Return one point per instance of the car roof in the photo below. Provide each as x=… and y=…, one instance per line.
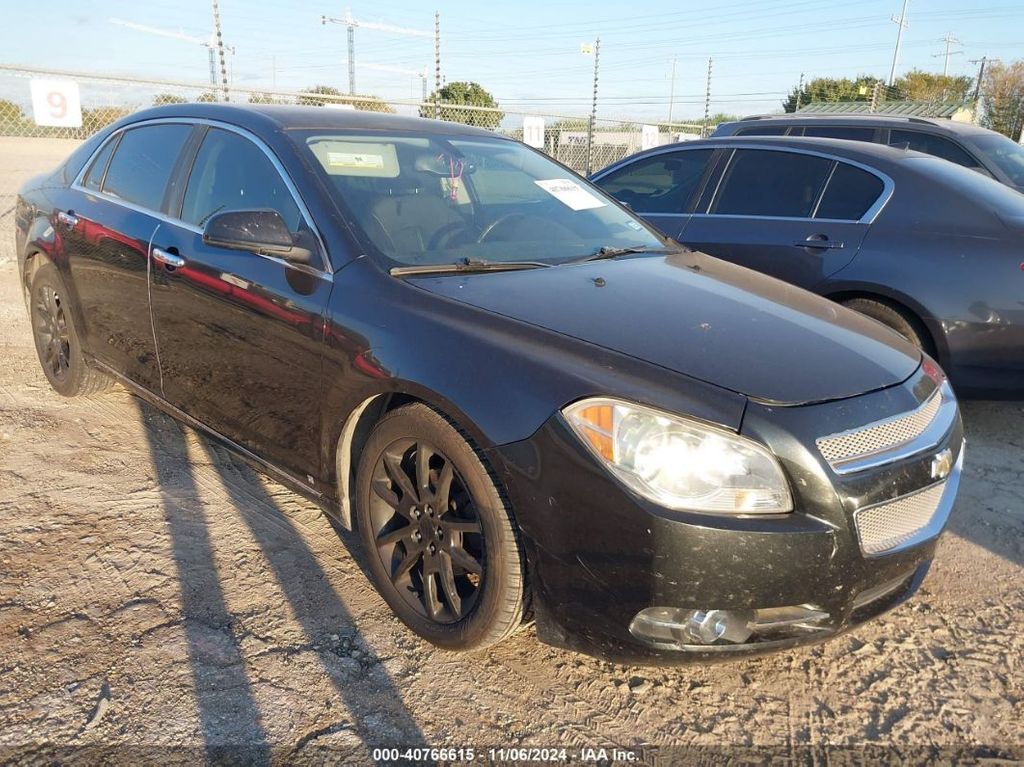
x=877, y=120
x=274, y=117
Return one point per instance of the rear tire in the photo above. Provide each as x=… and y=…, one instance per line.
x=905, y=325
x=440, y=539
x=56, y=338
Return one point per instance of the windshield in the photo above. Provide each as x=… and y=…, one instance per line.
x=431, y=199
x=1007, y=155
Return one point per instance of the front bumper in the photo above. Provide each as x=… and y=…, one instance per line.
x=599, y=555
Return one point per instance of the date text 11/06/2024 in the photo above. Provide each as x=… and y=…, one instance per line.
x=586, y=754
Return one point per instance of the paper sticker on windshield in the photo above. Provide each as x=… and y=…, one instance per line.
x=353, y=160
x=568, y=192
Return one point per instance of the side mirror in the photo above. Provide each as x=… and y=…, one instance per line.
x=256, y=231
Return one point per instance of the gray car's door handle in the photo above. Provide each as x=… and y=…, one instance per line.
x=817, y=241
x=168, y=259
x=68, y=218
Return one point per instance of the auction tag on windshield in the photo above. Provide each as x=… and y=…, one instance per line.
x=568, y=192
x=353, y=160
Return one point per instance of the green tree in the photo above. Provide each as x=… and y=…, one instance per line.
x=831, y=89
x=167, y=98
x=320, y=95
x=265, y=98
x=917, y=85
x=207, y=97
x=1003, y=98
x=454, y=95
x=12, y=118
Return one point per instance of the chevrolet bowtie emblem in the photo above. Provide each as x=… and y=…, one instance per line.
x=942, y=464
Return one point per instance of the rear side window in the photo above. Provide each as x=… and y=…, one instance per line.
x=850, y=133
x=232, y=173
x=768, y=183
x=143, y=162
x=933, y=145
x=94, y=177
x=660, y=184
x=850, y=193
x=764, y=130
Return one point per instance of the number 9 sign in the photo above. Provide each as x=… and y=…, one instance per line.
x=56, y=103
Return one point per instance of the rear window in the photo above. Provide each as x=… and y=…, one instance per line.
x=769, y=183
x=142, y=164
x=850, y=194
x=94, y=177
x=764, y=130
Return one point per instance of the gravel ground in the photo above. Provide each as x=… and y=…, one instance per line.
x=157, y=593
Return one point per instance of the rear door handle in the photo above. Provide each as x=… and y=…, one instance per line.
x=168, y=259
x=68, y=218
x=820, y=241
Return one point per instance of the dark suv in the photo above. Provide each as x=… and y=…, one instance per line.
x=976, y=148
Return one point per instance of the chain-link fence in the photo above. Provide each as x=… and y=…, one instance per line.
x=29, y=97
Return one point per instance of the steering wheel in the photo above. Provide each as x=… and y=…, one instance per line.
x=443, y=235
x=499, y=221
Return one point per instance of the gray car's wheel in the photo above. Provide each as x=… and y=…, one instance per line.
x=56, y=339
x=441, y=542
x=892, y=317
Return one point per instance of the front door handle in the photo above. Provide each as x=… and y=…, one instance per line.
x=69, y=218
x=172, y=260
x=820, y=241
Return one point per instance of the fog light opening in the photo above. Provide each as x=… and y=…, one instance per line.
x=677, y=628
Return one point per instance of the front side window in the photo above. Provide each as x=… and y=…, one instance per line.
x=764, y=130
x=660, y=184
x=769, y=183
x=231, y=173
x=143, y=162
x=850, y=194
x=931, y=144
x=850, y=133
x=436, y=199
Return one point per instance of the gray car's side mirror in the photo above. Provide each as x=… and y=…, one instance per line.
x=257, y=231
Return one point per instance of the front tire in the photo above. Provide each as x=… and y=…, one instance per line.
x=56, y=338
x=904, y=325
x=441, y=541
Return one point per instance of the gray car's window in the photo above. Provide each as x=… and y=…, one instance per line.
x=933, y=145
x=769, y=183
x=1007, y=155
x=850, y=194
x=142, y=164
x=94, y=177
x=848, y=132
x=660, y=184
x=764, y=130
x=232, y=173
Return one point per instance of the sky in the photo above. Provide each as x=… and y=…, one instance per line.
x=526, y=52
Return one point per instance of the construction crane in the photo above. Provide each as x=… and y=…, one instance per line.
x=209, y=43
x=350, y=23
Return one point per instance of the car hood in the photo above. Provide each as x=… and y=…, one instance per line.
x=701, y=317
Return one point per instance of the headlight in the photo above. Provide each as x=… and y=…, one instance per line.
x=679, y=463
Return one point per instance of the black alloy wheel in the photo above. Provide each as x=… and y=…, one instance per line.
x=442, y=544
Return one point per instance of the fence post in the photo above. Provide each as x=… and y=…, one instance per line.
x=593, y=111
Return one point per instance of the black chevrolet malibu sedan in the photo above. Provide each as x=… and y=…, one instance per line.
x=529, y=404
x=927, y=247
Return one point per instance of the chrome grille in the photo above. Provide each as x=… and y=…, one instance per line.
x=881, y=436
x=888, y=525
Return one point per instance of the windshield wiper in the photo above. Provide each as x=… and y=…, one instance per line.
x=466, y=265
x=607, y=252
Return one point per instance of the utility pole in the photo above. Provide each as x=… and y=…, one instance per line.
x=593, y=109
x=901, y=22
x=875, y=95
x=672, y=92
x=437, y=66
x=948, y=40
x=799, y=92
x=707, y=103
x=220, y=50
x=982, y=62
